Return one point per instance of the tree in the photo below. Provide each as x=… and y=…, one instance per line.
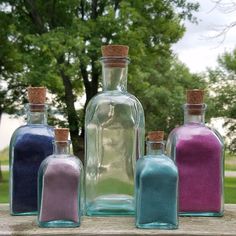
x=223, y=84
x=59, y=42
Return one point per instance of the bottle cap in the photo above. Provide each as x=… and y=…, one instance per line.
x=61, y=134
x=115, y=55
x=195, y=96
x=156, y=136
x=195, y=100
x=36, y=95
x=37, y=98
x=115, y=51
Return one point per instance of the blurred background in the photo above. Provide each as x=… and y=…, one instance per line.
x=174, y=45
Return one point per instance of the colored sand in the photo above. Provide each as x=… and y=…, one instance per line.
x=60, y=192
x=199, y=160
x=31, y=147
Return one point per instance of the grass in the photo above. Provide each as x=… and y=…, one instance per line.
x=4, y=156
x=4, y=188
x=230, y=189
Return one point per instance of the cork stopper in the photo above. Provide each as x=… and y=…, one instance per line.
x=36, y=95
x=37, y=98
x=115, y=55
x=61, y=134
x=195, y=96
x=195, y=100
x=156, y=136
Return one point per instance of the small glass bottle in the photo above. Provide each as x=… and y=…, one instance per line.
x=156, y=187
x=60, y=186
x=199, y=154
x=30, y=145
x=114, y=138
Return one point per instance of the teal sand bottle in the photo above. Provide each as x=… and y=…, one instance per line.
x=156, y=187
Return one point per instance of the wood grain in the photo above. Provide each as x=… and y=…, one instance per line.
x=26, y=225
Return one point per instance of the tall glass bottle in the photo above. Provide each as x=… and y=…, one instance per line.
x=156, y=187
x=114, y=134
x=199, y=155
x=30, y=145
x=60, y=186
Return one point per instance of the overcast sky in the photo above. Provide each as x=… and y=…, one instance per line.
x=196, y=49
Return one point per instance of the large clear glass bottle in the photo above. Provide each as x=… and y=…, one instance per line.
x=114, y=134
x=156, y=187
x=30, y=145
x=199, y=154
x=60, y=186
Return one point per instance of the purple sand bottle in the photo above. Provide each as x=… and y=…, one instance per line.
x=199, y=155
x=60, y=186
x=30, y=145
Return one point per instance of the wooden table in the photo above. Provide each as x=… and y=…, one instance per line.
x=26, y=225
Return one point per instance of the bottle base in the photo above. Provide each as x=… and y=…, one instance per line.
x=111, y=205
x=59, y=224
x=33, y=213
x=156, y=225
x=202, y=214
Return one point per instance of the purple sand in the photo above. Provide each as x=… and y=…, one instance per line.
x=199, y=159
x=60, y=192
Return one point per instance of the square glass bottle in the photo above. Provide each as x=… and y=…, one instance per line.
x=30, y=145
x=156, y=187
x=199, y=154
x=60, y=186
x=114, y=137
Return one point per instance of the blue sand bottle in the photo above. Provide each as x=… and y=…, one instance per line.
x=30, y=145
x=156, y=187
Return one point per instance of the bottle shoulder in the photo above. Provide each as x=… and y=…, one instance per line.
x=197, y=134
x=160, y=163
x=60, y=162
x=109, y=107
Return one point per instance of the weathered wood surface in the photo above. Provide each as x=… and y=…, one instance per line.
x=26, y=225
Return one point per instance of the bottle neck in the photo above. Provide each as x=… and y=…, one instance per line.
x=155, y=147
x=61, y=148
x=36, y=114
x=114, y=73
x=194, y=113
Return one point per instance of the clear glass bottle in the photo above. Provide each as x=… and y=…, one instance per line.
x=156, y=187
x=60, y=186
x=199, y=154
x=30, y=145
x=114, y=134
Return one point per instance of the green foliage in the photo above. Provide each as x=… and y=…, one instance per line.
x=222, y=82
x=57, y=44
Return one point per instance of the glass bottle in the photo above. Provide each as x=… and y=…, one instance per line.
x=30, y=145
x=60, y=186
x=199, y=154
x=156, y=187
x=114, y=134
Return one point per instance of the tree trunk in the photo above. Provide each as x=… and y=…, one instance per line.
x=71, y=113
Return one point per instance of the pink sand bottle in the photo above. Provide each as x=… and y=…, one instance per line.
x=199, y=155
x=60, y=186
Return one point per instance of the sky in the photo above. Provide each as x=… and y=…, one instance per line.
x=198, y=49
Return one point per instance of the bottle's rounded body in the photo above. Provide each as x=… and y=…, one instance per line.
x=199, y=154
x=114, y=139
x=156, y=193
x=29, y=146
x=60, y=191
